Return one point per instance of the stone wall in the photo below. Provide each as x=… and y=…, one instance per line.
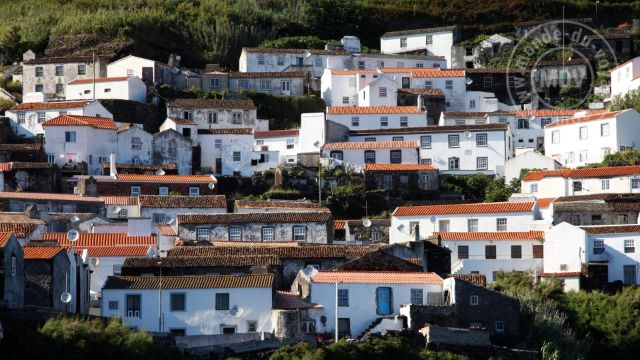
x=12, y=286
x=170, y=147
x=124, y=188
x=291, y=267
x=317, y=233
x=455, y=336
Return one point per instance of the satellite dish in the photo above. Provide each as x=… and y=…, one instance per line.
x=178, y=57
x=469, y=81
x=366, y=223
x=211, y=185
x=306, y=53
x=61, y=156
x=117, y=209
x=467, y=134
x=73, y=235
x=74, y=219
x=65, y=297
x=432, y=219
x=160, y=172
x=400, y=227
x=233, y=311
x=170, y=221
x=316, y=144
x=175, y=70
x=94, y=261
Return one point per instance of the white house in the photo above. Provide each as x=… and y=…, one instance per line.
x=285, y=142
x=121, y=207
x=455, y=149
x=229, y=151
x=486, y=253
x=27, y=118
x=360, y=153
x=123, y=87
x=587, y=140
x=286, y=83
x=528, y=160
x=312, y=132
x=135, y=146
x=148, y=70
x=162, y=208
x=475, y=117
x=472, y=218
x=570, y=182
x=437, y=41
x=76, y=139
x=607, y=249
x=625, y=77
x=191, y=305
x=364, y=297
x=377, y=117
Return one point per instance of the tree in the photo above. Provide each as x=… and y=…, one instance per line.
x=295, y=42
x=630, y=100
x=472, y=187
x=12, y=44
x=622, y=158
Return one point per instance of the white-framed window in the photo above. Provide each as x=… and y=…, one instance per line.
x=472, y=104
x=187, y=115
x=629, y=246
x=425, y=179
x=482, y=163
x=454, y=163
x=382, y=92
x=474, y=300
x=39, y=71
x=261, y=59
x=403, y=42
x=291, y=143
x=235, y=234
x=40, y=88
x=21, y=117
x=635, y=183
x=202, y=234
x=419, y=65
x=448, y=84
x=428, y=84
x=397, y=138
x=472, y=225
x=454, y=141
x=604, y=184
x=369, y=157
x=212, y=117
x=82, y=69
x=236, y=118
x=583, y=133
x=42, y=116
x=265, y=85
x=214, y=83
x=299, y=233
x=404, y=121
x=545, y=121
x=244, y=85
x=345, y=100
x=501, y=224
x=60, y=89
x=70, y=136
x=604, y=129
x=375, y=236
x=598, y=246
x=459, y=122
x=481, y=140
x=59, y=70
x=51, y=158
x=135, y=190
x=533, y=188
x=499, y=326
x=444, y=225
x=417, y=297
x=426, y=161
x=252, y=326
x=487, y=81
x=343, y=297
x=122, y=214
x=268, y=233
x=194, y=191
x=355, y=121
x=395, y=156
x=217, y=143
x=429, y=40
x=133, y=305
x=369, y=139
x=136, y=143
x=384, y=121
x=425, y=142
x=480, y=121
x=555, y=137
x=280, y=60
x=237, y=156
x=163, y=190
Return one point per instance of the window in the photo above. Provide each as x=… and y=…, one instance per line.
x=268, y=233
x=481, y=140
x=404, y=121
x=501, y=224
x=428, y=84
x=214, y=83
x=122, y=214
x=42, y=116
x=135, y=190
x=163, y=190
x=425, y=161
x=417, y=297
x=395, y=156
x=443, y=225
x=222, y=301
x=523, y=123
x=355, y=121
x=472, y=104
x=604, y=129
x=60, y=89
x=39, y=71
x=425, y=179
x=555, y=137
x=598, y=247
x=448, y=84
x=382, y=92
x=59, y=70
x=218, y=143
x=596, y=219
x=538, y=251
x=545, y=121
x=454, y=141
x=384, y=121
x=21, y=118
x=361, y=65
x=113, y=305
x=265, y=85
x=39, y=88
x=406, y=82
x=252, y=326
x=136, y=143
x=133, y=306
x=261, y=59
x=70, y=136
x=516, y=251
x=490, y=252
x=482, y=163
x=635, y=183
x=397, y=138
x=403, y=42
x=419, y=65
x=375, y=236
x=309, y=326
x=82, y=69
x=345, y=100
x=577, y=186
x=454, y=163
x=178, y=301
x=299, y=233
x=369, y=157
x=499, y=326
x=425, y=142
x=429, y=40
x=235, y=234
x=212, y=118
x=14, y=266
x=488, y=81
x=533, y=188
x=244, y=84
x=574, y=220
x=237, y=156
x=117, y=270
x=369, y=139
x=623, y=218
x=472, y=225
x=629, y=247
x=463, y=252
x=202, y=234
x=319, y=62
x=474, y=300
x=583, y=133
x=460, y=121
x=343, y=297
x=194, y=191
x=563, y=267
x=337, y=154
x=236, y=118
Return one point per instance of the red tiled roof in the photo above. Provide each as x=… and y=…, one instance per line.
x=161, y=178
x=399, y=167
x=99, y=80
x=21, y=165
x=348, y=110
x=167, y=230
x=375, y=277
x=436, y=72
x=100, y=239
x=21, y=147
x=267, y=217
x=492, y=236
x=47, y=196
x=584, y=173
x=544, y=203
x=556, y=112
x=276, y=133
x=41, y=252
x=339, y=224
x=180, y=201
x=611, y=229
x=18, y=218
x=4, y=237
x=583, y=119
x=5, y=167
x=478, y=208
x=51, y=105
x=562, y=274
x=352, y=72
x=190, y=282
x=370, y=145
x=204, y=261
x=287, y=300
x=20, y=230
x=114, y=251
x=283, y=251
x=77, y=120
x=120, y=200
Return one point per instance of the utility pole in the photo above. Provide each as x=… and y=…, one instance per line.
x=160, y=299
x=336, y=311
x=93, y=58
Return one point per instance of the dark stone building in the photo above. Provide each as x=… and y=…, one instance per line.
x=379, y=261
x=32, y=152
x=46, y=269
x=143, y=184
x=431, y=100
x=32, y=176
x=169, y=169
x=46, y=203
x=401, y=178
x=597, y=209
x=620, y=43
x=507, y=84
x=354, y=230
x=11, y=271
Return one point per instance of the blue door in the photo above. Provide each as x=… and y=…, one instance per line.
x=383, y=299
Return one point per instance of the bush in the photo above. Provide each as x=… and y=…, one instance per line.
x=284, y=194
x=5, y=105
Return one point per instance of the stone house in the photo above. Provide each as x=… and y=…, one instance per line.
x=12, y=271
x=136, y=184
x=46, y=269
x=354, y=230
x=217, y=113
x=46, y=203
x=22, y=226
x=150, y=71
x=135, y=146
x=310, y=227
x=268, y=206
x=22, y=152
x=402, y=178
x=288, y=83
x=171, y=147
x=30, y=176
x=597, y=209
x=166, y=208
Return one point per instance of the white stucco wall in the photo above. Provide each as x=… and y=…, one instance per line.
x=311, y=131
x=127, y=154
x=383, y=156
x=441, y=46
x=625, y=78
x=373, y=121
x=89, y=141
x=132, y=89
x=564, y=244
x=279, y=144
x=528, y=160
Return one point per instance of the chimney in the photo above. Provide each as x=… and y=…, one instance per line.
x=419, y=102
x=112, y=165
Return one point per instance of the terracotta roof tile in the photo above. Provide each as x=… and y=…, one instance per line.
x=160, y=178
x=477, y=279
x=283, y=252
x=375, y=277
x=5, y=167
x=352, y=72
x=583, y=119
x=436, y=73
x=561, y=274
x=167, y=230
x=18, y=218
x=21, y=147
x=399, y=167
x=471, y=114
x=478, y=208
x=23, y=165
x=114, y=251
x=120, y=200
x=491, y=236
x=339, y=224
x=51, y=105
x=23, y=195
x=236, y=218
x=20, y=230
x=190, y=282
x=4, y=237
x=77, y=120
x=227, y=131
x=555, y=112
x=431, y=129
x=544, y=203
x=212, y=103
x=41, y=252
x=276, y=133
x=99, y=80
x=611, y=229
x=279, y=204
x=101, y=239
x=370, y=145
x=418, y=31
x=267, y=74
x=287, y=300
x=203, y=261
x=348, y=110
x=179, y=201
x=584, y=173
